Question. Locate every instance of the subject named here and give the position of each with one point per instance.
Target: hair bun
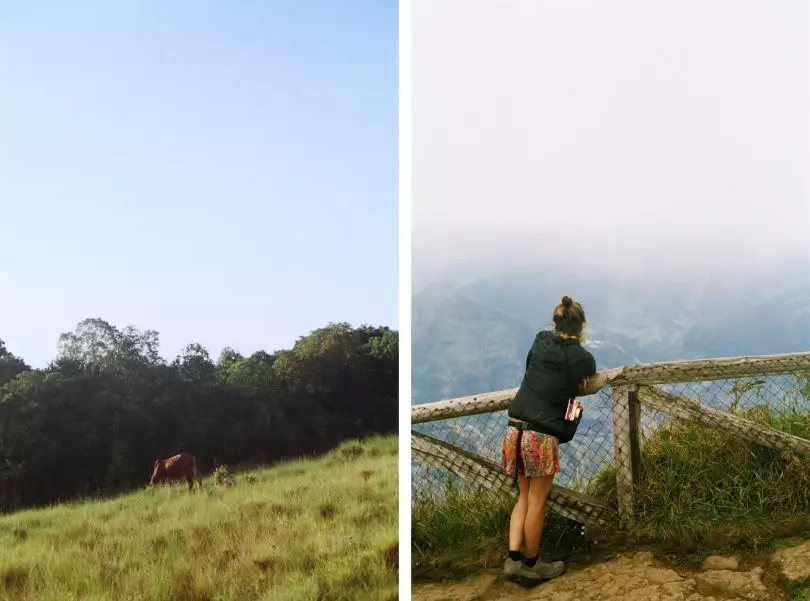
(567, 302)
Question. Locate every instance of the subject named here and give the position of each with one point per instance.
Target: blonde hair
(569, 319)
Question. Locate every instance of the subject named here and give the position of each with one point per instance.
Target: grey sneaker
(544, 571)
(511, 568)
(520, 573)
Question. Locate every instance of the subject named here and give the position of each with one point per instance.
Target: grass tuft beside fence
(462, 531)
(700, 484)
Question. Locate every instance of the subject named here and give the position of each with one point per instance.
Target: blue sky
(224, 173)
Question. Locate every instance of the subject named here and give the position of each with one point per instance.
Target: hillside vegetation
(322, 529)
(702, 490)
(93, 422)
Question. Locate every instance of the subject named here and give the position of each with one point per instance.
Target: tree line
(93, 422)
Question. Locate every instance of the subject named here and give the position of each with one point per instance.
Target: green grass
(463, 532)
(802, 594)
(703, 487)
(322, 529)
(460, 530)
(702, 490)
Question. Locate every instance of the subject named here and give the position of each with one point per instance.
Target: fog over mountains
(472, 336)
(616, 153)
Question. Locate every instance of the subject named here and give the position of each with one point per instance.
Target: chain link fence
(482, 436)
(752, 397)
(464, 453)
(768, 401)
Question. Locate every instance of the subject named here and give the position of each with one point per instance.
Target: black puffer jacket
(554, 368)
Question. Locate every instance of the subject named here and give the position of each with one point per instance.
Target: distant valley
(474, 338)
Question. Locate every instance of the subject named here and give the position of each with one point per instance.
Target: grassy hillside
(322, 529)
(702, 490)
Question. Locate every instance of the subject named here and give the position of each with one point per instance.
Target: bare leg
(518, 519)
(539, 488)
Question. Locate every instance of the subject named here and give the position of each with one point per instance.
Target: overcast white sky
(683, 122)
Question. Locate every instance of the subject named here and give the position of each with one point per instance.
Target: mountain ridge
(627, 324)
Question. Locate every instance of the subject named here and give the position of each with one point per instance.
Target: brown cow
(183, 465)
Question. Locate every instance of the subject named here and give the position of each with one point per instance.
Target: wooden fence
(631, 387)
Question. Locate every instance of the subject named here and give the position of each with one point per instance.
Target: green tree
(10, 365)
(95, 419)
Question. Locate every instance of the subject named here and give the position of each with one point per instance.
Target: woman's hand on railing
(596, 383)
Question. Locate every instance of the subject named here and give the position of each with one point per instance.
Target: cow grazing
(183, 465)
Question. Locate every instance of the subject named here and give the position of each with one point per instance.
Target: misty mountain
(474, 338)
(462, 347)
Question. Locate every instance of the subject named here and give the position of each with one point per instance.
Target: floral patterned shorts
(540, 453)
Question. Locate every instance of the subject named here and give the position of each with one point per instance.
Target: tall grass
(701, 489)
(459, 532)
(704, 486)
(323, 529)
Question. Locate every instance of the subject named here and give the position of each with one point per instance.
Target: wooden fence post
(625, 449)
(635, 434)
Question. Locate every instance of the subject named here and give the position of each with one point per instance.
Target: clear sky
(678, 130)
(222, 172)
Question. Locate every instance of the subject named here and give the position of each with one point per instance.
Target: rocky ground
(781, 576)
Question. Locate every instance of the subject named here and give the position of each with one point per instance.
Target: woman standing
(543, 414)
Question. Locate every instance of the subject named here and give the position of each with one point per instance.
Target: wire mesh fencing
(769, 408)
(759, 409)
(769, 411)
(482, 435)
(732, 448)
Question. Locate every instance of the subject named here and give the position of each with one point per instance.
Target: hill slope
(462, 347)
(314, 529)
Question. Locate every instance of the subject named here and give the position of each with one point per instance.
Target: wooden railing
(631, 387)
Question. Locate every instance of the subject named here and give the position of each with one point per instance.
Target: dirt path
(641, 577)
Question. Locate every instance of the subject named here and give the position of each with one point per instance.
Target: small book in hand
(573, 411)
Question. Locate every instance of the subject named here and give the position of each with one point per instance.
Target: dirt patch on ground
(640, 576)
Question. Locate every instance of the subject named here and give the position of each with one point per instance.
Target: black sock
(530, 561)
(515, 555)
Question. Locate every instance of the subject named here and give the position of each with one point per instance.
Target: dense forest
(93, 422)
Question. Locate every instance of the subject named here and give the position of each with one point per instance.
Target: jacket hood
(552, 350)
